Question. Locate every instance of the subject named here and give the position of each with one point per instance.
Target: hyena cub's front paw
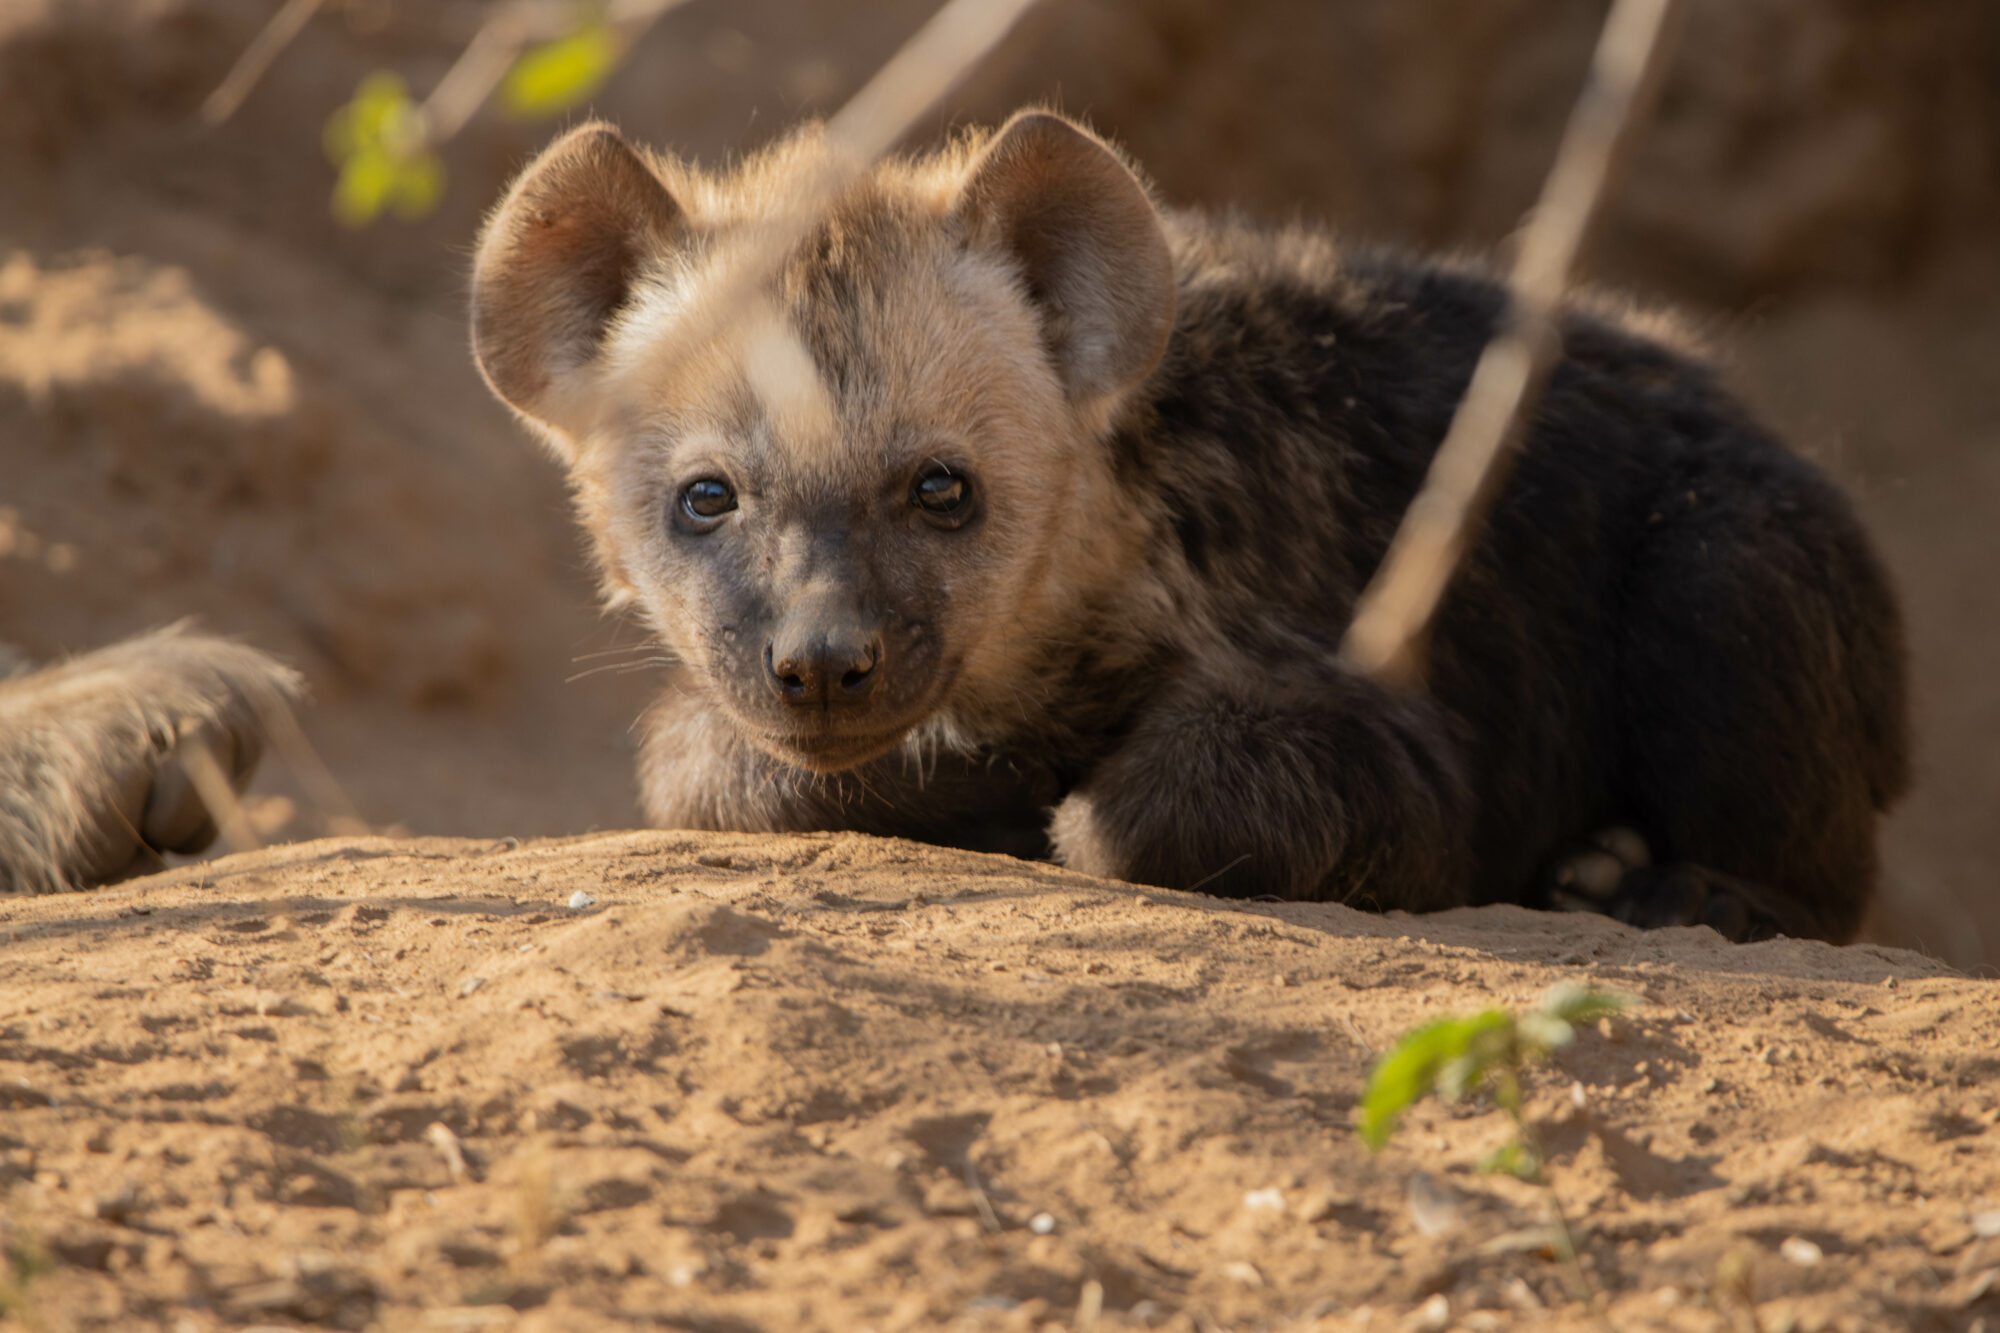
(1081, 842)
(1586, 876)
(1612, 872)
(99, 755)
(1136, 836)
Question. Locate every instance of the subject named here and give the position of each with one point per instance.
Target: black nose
(823, 670)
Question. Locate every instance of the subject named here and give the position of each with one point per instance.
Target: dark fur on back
(1670, 621)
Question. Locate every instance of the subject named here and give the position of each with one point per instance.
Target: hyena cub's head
(862, 507)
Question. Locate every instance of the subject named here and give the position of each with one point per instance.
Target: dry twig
(1386, 637)
(224, 806)
(888, 106)
(251, 66)
(285, 736)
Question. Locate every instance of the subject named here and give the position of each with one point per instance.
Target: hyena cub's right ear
(556, 261)
(1060, 204)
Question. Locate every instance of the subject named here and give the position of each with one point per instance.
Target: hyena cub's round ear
(1089, 244)
(557, 259)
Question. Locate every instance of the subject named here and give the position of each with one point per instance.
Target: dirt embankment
(832, 1083)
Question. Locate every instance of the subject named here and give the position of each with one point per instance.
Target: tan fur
(953, 237)
(91, 784)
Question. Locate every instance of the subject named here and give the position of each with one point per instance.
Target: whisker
(621, 668)
(622, 648)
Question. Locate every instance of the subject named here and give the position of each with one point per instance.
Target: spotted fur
(1188, 440)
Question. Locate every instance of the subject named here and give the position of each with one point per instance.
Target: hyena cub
(1019, 495)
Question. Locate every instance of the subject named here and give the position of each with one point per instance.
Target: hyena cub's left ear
(556, 261)
(1074, 217)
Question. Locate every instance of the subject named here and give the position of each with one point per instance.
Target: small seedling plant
(1456, 1058)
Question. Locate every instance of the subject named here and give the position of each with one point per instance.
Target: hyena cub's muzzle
(831, 684)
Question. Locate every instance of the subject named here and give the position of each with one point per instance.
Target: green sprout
(1456, 1057)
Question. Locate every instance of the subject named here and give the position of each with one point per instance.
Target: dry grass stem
(1386, 637)
(283, 733)
(255, 62)
(955, 39)
(212, 785)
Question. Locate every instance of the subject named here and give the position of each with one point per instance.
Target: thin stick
(251, 66)
(210, 783)
(957, 37)
(1386, 637)
(288, 740)
(474, 75)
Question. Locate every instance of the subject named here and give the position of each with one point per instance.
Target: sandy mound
(831, 1082)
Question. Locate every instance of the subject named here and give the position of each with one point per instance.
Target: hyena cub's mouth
(826, 752)
(821, 731)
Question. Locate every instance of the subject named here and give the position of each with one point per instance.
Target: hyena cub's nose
(824, 669)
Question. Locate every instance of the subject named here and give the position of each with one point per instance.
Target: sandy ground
(215, 402)
(833, 1083)
(827, 1082)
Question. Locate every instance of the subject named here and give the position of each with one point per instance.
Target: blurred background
(216, 400)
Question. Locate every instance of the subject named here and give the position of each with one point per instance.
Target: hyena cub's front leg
(1321, 787)
(95, 754)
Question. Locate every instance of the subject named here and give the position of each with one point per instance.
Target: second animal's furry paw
(100, 755)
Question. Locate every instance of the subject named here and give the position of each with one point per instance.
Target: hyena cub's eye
(704, 502)
(942, 494)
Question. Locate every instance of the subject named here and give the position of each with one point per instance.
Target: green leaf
(1403, 1075)
(557, 75)
(1457, 1076)
(1488, 1042)
(419, 186)
(365, 183)
(1447, 1056)
(380, 109)
(1452, 1057)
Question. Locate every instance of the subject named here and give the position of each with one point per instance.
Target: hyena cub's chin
(1014, 512)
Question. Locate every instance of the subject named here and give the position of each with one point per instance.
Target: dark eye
(941, 492)
(706, 500)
